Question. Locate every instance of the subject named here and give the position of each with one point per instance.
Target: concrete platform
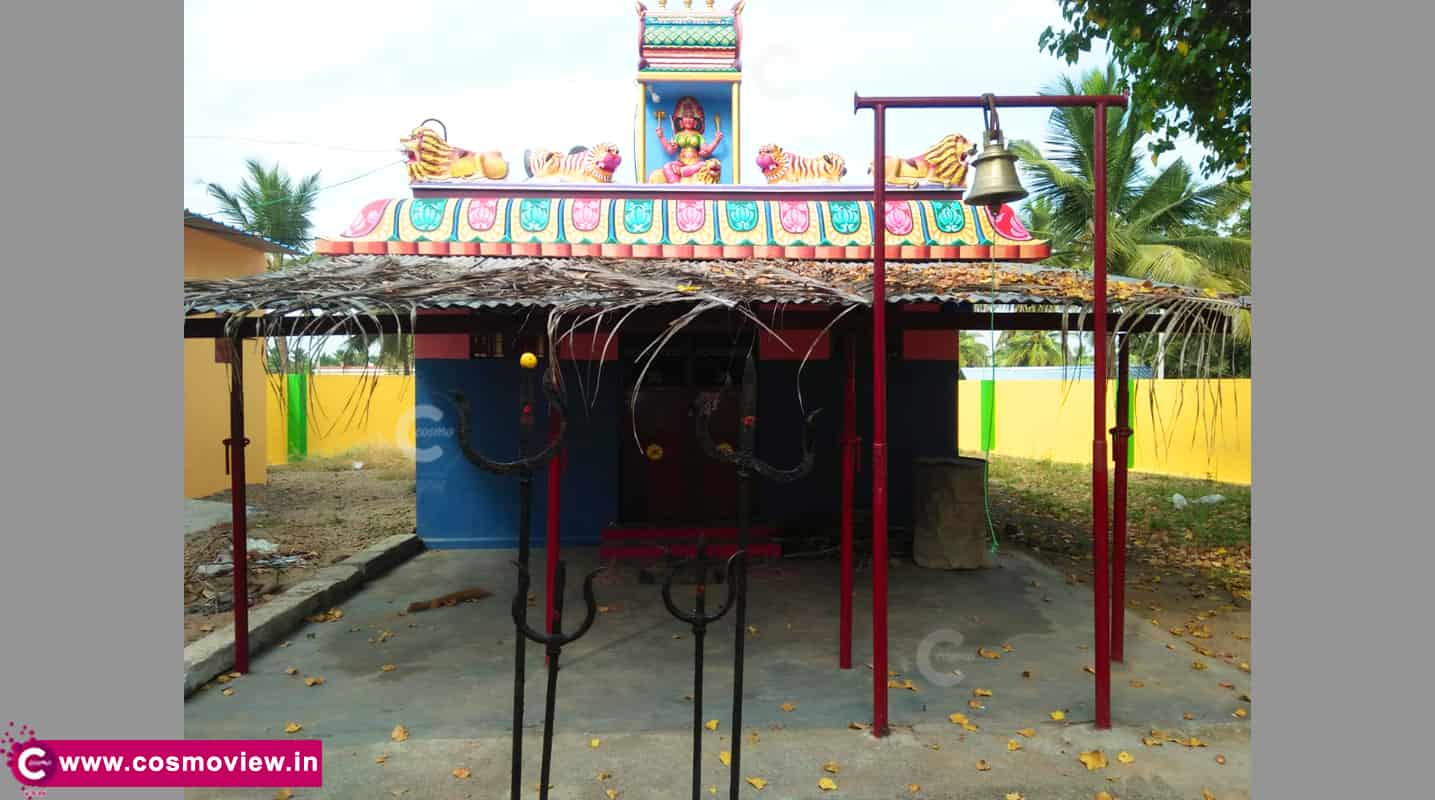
(625, 683)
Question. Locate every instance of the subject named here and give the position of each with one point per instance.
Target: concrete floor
(626, 680)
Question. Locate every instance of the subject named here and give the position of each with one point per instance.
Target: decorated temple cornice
(729, 222)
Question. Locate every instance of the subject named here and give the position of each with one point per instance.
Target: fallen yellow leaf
(387, 668)
(1013, 745)
(1240, 713)
(284, 794)
(612, 794)
(934, 746)
(1058, 715)
(1008, 648)
(914, 788)
(227, 692)
(970, 726)
(594, 743)
(1198, 665)
(757, 783)
(982, 692)
(1137, 684)
(788, 708)
(293, 727)
(957, 718)
(1151, 741)
(1188, 716)
(985, 653)
(826, 784)
(400, 734)
(1104, 796)
(1125, 757)
(314, 681)
(711, 725)
(832, 767)
(752, 630)
(1093, 759)
(905, 683)
(1027, 732)
(1206, 795)
(381, 759)
(603, 776)
(1014, 796)
(983, 766)
(291, 671)
(975, 705)
(1245, 667)
(858, 726)
(726, 758)
(461, 773)
(1220, 759)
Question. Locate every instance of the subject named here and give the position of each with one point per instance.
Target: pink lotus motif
(794, 215)
(587, 213)
(691, 214)
(899, 217)
(1008, 224)
(368, 218)
(482, 213)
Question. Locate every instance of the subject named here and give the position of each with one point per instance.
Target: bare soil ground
(322, 509)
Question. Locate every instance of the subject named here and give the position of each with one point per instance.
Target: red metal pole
(1120, 436)
(238, 511)
(849, 467)
(879, 426)
(1100, 565)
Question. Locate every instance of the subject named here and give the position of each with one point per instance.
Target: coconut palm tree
(970, 352)
(1163, 225)
(1029, 349)
(270, 203)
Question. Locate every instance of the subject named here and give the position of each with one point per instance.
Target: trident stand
(699, 619)
(747, 463)
(524, 466)
(552, 646)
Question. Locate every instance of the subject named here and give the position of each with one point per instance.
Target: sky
(331, 87)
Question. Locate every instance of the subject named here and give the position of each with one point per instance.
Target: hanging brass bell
(994, 178)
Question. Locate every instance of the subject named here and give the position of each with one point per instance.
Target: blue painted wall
(461, 506)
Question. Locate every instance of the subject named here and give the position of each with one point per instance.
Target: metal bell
(994, 178)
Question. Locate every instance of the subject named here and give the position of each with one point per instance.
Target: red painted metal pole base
(239, 514)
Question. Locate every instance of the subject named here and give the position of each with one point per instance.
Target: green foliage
(1030, 349)
(1164, 225)
(270, 203)
(1187, 65)
(970, 352)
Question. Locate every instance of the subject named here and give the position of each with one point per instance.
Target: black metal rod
(524, 466)
(748, 464)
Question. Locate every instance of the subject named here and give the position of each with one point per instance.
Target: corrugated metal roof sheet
(201, 222)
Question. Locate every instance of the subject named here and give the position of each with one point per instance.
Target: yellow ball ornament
(528, 361)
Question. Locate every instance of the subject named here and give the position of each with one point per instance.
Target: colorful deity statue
(693, 163)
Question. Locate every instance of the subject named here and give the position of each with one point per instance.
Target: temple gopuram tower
(689, 80)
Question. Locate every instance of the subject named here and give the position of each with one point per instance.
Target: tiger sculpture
(431, 158)
(780, 166)
(579, 165)
(944, 162)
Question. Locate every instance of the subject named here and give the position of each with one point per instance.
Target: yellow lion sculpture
(780, 166)
(944, 162)
(432, 158)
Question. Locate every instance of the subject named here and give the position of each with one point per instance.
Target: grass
(1063, 492)
(385, 463)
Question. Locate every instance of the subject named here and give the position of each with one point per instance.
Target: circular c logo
(931, 674)
(34, 764)
(423, 455)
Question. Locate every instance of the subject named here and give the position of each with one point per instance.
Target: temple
(645, 282)
(685, 201)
